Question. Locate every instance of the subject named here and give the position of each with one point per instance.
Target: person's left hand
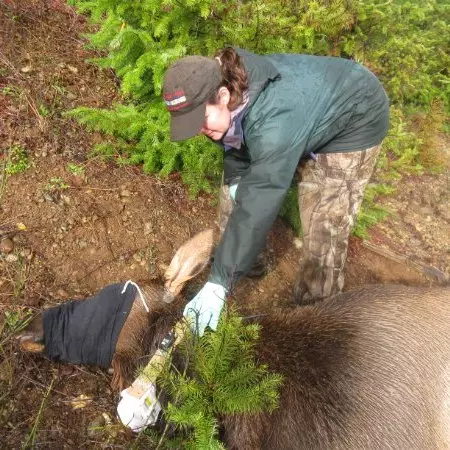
(204, 309)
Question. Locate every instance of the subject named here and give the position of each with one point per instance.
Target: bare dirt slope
(65, 234)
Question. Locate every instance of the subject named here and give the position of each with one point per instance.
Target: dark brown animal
(143, 330)
(366, 369)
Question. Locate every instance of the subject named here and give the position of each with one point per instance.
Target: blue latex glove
(204, 309)
(232, 190)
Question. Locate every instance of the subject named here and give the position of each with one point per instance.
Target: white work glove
(139, 413)
(204, 309)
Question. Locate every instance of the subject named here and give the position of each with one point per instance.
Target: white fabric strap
(139, 291)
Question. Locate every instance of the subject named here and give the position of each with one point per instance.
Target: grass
(43, 110)
(13, 160)
(3, 178)
(17, 160)
(59, 90)
(22, 273)
(15, 320)
(30, 440)
(75, 169)
(12, 91)
(18, 275)
(56, 184)
(6, 367)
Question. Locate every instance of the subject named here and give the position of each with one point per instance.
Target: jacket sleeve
(235, 164)
(260, 193)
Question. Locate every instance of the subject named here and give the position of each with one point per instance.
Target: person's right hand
(205, 308)
(232, 190)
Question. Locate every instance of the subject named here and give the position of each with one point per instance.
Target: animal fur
(366, 369)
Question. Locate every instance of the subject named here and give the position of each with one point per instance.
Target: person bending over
(275, 115)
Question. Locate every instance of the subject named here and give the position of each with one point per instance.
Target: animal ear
(189, 260)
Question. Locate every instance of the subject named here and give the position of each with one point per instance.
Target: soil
(66, 235)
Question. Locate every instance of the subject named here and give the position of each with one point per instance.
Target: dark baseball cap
(188, 84)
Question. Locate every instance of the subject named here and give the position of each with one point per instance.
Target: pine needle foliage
(401, 148)
(428, 125)
(221, 376)
(289, 210)
(371, 212)
(406, 43)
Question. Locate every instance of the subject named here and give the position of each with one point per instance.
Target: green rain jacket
(298, 104)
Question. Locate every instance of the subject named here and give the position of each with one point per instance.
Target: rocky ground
(71, 224)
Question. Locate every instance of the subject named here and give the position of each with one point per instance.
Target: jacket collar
(234, 137)
(260, 72)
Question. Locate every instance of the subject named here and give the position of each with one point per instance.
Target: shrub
(403, 42)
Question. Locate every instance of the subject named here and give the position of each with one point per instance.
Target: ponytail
(234, 77)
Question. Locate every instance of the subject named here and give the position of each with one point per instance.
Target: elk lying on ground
(366, 369)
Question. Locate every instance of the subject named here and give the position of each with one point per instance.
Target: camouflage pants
(330, 192)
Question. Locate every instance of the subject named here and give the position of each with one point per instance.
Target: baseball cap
(188, 84)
